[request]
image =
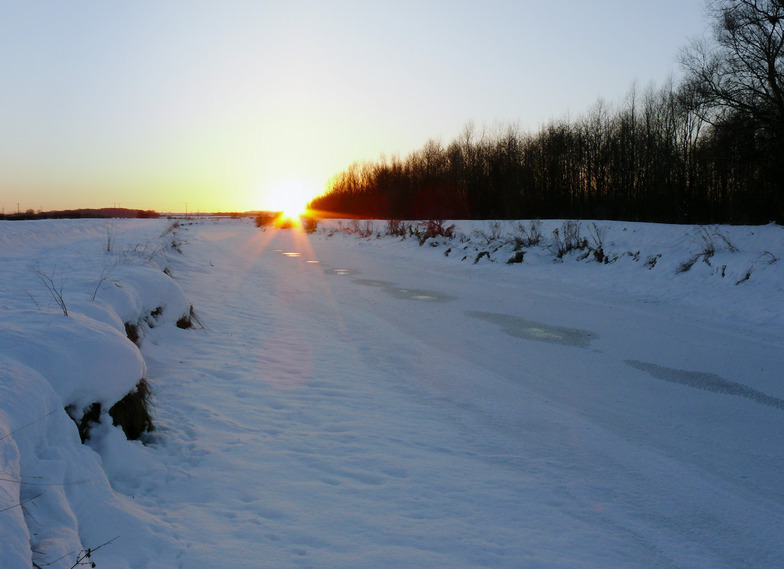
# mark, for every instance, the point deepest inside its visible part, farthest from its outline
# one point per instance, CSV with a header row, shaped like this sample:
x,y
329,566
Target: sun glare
x,y
291,198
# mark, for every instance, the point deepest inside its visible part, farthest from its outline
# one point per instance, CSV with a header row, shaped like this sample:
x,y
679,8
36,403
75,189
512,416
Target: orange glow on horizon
x,y
291,197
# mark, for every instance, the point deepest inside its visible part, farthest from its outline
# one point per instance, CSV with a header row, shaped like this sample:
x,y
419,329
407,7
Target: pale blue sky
x,y
155,103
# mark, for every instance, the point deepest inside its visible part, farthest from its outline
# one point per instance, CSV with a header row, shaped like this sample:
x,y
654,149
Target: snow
x,y
374,402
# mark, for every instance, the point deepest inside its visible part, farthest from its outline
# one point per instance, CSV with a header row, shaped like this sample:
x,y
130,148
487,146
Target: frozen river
x,y
373,403
356,404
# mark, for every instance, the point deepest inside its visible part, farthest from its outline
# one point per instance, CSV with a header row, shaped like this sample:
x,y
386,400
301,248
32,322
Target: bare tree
x,y
740,71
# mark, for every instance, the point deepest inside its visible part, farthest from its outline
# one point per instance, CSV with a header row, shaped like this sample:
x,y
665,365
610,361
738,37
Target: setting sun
x,y
291,197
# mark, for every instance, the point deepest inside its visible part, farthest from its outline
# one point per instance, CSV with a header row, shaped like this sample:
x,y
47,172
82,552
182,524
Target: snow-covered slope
x,y
374,402
68,288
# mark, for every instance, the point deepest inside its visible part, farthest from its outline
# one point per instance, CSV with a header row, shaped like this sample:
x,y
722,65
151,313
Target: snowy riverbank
x,y
370,401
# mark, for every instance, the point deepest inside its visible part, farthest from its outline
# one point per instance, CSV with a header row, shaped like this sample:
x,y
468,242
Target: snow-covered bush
x,y
709,241
429,229
266,219
309,223
516,258
567,239
522,236
397,228
490,233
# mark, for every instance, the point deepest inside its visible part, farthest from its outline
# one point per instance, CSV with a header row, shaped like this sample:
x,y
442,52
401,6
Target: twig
x,y
104,275
22,482
22,502
85,554
34,300
28,424
82,555
57,293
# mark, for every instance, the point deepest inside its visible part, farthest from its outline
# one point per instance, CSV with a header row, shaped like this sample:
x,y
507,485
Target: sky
x,y
231,105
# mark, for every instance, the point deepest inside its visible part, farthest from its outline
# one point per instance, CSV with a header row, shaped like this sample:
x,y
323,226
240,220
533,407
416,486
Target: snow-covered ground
x,y
370,402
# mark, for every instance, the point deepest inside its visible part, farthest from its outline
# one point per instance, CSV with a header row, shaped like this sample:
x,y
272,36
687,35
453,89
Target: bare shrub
x,y
266,219
176,245
516,258
727,243
170,228
109,238
356,227
283,222
368,229
397,228
687,265
492,232
132,412
522,236
104,276
710,239
132,331
309,224
190,320
91,415
433,228
568,239
359,228
704,240
54,290
84,556
480,255
142,250
747,276
597,235
652,260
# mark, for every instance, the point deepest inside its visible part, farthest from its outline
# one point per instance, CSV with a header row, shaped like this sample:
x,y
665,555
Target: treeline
x,y
82,213
707,150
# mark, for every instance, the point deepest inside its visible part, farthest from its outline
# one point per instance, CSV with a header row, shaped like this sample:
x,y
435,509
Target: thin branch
x,y
28,424
104,275
22,482
22,502
57,293
81,556
34,300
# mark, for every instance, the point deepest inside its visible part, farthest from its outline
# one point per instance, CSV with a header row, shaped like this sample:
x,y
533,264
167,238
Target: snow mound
x,y
84,360
63,351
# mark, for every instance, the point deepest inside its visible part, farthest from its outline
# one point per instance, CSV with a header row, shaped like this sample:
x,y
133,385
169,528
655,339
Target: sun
x,y
291,198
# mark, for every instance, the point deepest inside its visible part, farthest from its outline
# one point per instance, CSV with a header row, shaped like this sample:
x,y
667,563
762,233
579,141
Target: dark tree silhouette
x,y
737,77
739,71
709,150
